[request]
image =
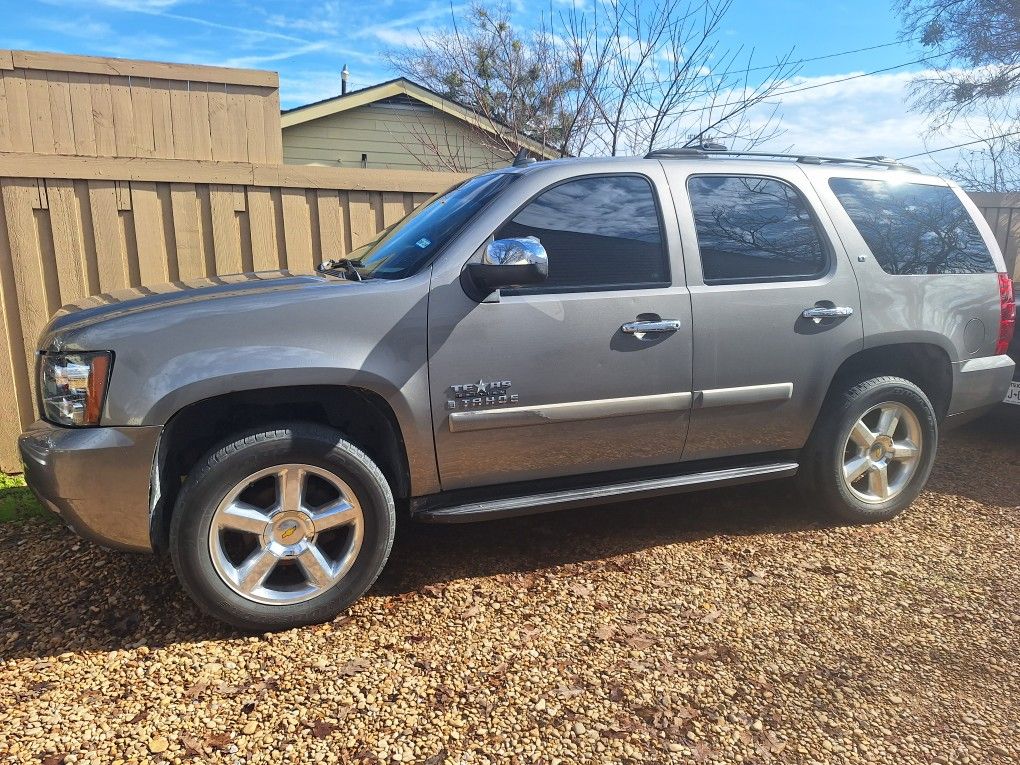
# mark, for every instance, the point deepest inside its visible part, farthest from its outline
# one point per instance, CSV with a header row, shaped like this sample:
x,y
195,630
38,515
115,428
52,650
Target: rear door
x,y
758,254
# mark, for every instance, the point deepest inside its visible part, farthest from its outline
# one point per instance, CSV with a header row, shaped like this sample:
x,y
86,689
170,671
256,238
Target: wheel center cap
x,y
881,448
287,529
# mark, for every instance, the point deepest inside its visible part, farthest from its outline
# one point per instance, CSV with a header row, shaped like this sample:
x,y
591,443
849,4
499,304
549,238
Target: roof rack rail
x,y
806,159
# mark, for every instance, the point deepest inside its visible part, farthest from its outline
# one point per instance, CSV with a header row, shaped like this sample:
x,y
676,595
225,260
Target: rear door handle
x,y
825,312
642,327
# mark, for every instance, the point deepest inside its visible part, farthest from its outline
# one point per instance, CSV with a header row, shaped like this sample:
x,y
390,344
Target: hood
x,y
111,305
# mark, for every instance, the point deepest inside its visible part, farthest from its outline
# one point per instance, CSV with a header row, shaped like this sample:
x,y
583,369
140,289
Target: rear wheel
x,y
872,450
282,527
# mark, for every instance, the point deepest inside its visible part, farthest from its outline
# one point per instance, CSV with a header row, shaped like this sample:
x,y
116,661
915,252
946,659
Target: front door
x,y
758,256
544,382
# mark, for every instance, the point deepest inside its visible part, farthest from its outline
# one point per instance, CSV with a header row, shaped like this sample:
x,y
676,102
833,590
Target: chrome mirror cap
x,y
506,263
525,251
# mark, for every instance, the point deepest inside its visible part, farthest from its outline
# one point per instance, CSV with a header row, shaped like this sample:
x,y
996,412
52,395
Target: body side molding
x,y
746,394
518,416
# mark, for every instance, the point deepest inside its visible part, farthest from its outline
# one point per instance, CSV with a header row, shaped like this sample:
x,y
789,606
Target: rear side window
x,y
600,233
753,229
914,228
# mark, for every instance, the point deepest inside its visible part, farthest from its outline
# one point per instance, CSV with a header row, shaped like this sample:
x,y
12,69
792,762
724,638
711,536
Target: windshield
x,y
403,248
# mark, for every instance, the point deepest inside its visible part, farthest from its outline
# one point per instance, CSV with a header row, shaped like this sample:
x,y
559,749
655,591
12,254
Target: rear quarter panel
x,y
957,312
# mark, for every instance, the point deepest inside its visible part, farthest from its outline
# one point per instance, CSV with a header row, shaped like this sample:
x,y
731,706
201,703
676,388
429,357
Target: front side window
x,y
914,228
753,229
600,233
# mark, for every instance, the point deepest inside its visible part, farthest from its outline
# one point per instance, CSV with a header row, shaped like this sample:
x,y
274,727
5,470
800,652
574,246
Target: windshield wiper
x,y
348,267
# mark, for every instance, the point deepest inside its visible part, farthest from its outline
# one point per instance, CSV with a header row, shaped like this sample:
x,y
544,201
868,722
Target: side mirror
x,y
506,263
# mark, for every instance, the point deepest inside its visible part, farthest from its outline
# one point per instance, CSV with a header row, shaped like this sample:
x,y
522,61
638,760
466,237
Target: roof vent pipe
x,y
344,74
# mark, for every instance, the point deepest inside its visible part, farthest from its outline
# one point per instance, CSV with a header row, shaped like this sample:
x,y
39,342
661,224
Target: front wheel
x,y
872,450
283,527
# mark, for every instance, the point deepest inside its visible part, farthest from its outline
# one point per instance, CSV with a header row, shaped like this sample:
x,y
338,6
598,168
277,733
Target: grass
x,y
17,502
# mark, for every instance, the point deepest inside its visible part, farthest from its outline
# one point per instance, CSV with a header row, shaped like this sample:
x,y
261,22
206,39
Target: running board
x,y
594,495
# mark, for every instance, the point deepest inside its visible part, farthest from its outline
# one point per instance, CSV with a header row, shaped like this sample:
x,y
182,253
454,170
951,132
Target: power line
x,y
960,145
768,99
808,60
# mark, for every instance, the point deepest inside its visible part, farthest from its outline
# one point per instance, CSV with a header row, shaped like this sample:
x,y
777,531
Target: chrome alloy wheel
x,y
882,452
286,534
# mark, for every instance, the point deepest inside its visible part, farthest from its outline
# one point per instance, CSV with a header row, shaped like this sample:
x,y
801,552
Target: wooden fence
x,y
106,107
1002,211
72,227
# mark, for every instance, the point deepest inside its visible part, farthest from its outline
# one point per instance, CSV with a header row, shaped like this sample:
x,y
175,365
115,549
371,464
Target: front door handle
x,y
642,327
827,312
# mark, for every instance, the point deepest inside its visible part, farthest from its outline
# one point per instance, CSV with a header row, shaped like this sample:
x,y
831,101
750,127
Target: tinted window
x,y
600,233
913,228
754,229
406,246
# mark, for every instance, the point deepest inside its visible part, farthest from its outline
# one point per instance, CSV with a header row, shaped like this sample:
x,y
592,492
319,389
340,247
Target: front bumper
x,y
96,479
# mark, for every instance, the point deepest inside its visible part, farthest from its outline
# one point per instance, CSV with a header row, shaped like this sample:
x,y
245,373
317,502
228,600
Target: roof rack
x,y
806,159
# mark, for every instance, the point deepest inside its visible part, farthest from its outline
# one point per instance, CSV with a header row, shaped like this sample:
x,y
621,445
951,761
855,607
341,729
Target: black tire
x,y
243,455
822,466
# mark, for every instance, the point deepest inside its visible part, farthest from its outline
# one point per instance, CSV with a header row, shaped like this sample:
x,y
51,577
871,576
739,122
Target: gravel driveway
x,y
718,627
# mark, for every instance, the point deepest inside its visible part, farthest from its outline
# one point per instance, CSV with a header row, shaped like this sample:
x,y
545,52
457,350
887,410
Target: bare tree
x,y
992,162
603,77
975,50
654,73
517,83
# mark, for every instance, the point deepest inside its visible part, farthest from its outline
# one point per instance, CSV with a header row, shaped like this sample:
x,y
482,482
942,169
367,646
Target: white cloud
x,y
862,117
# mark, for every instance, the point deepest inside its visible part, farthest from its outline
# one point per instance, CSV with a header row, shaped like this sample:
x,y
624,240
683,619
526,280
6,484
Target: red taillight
x,y
1007,314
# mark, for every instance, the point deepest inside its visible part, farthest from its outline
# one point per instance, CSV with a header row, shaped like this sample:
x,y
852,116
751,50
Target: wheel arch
x,y
927,365
363,415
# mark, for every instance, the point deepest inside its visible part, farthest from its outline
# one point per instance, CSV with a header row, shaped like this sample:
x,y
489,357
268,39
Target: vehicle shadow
x,y
64,594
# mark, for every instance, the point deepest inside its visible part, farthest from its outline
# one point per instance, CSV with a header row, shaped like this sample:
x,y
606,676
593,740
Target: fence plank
x,y
219,125
134,68
331,224
274,131
297,230
38,90
162,120
60,113
102,110
83,122
153,265
236,131
225,227
111,258
5,120
187,235
362,218
16,407
201,130
141,112
181,122
254,120
123,117
17,110
19,198
393,207
262,223
68,241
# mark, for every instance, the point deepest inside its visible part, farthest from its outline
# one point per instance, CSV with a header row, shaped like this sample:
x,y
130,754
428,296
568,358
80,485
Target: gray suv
x,y
544,336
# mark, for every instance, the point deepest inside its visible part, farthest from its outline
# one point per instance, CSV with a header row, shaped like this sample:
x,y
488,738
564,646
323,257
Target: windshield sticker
x,y
423,242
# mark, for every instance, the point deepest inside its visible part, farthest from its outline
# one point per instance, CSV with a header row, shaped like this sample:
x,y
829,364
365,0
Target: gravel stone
x,y
720,627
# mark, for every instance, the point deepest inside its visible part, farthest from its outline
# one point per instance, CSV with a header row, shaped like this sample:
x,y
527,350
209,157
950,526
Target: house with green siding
x,y
399,125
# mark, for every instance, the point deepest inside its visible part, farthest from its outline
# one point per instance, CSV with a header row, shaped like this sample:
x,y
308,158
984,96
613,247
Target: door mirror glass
x,y
506,263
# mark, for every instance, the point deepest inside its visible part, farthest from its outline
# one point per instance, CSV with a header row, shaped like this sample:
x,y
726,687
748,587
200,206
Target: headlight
x,y
72,386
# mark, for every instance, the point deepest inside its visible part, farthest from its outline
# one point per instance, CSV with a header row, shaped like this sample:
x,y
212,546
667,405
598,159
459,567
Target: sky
x,y
309,41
